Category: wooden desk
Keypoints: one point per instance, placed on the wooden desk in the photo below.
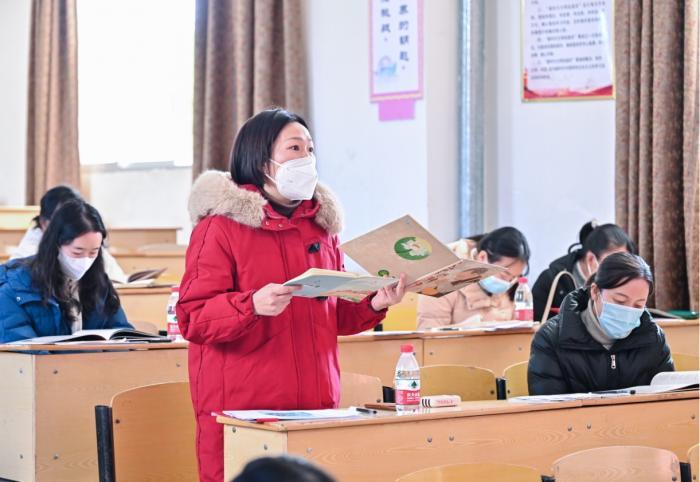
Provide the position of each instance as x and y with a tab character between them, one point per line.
17	216
376	355
47	406
493	350
124	238
145	304
173	262
386	446
136	237
682	336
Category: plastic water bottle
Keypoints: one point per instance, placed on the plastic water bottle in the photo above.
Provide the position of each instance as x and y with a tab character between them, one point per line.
523	301
173	329
407	381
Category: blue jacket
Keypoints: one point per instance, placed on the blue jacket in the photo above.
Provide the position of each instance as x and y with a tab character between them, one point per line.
24	315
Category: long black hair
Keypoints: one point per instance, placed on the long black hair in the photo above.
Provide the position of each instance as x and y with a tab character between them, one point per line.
73	219
506	242
598	239
51	200
620	268
253	146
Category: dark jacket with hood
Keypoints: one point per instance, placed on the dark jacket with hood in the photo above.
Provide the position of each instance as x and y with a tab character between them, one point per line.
564	358
540	290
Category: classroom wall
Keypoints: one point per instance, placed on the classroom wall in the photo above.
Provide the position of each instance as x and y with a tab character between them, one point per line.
383	170
14	52
535	153
549	166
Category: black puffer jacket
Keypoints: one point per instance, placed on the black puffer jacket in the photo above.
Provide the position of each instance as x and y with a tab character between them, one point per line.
540	290
564	358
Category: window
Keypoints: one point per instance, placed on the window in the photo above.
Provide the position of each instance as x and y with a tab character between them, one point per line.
135	81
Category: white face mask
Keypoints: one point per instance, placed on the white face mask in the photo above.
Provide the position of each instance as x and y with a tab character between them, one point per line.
296	179
75	268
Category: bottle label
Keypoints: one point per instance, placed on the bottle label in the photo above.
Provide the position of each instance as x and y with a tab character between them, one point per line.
407	392
524	315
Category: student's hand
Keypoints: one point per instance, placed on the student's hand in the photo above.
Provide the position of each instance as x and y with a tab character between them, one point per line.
389	295
272	299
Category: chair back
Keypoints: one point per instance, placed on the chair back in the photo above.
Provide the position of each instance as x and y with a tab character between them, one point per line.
516	380
473	473
618	463
154	433
470	383
357	389
685	363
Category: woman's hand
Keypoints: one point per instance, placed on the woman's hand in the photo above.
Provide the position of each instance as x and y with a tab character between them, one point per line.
272	299
389	295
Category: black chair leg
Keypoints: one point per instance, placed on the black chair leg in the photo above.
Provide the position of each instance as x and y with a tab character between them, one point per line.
105	443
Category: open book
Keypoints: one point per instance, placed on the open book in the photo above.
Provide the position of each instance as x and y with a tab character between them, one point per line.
139	279
117	335
404	246
317	283
663	382
668	382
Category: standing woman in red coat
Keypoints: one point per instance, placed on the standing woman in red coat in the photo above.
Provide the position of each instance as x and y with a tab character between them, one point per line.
252	345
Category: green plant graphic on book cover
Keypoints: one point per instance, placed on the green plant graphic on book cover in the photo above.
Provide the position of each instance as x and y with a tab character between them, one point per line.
413	248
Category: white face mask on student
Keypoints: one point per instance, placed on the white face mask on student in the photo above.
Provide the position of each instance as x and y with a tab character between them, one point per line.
296	179
75	268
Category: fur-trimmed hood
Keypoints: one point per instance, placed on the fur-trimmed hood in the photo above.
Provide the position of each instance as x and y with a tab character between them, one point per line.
215	193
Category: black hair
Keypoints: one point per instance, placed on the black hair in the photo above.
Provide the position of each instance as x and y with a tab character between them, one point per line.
73	219
506	242
51	200
598	239
253	146
619	269
285	468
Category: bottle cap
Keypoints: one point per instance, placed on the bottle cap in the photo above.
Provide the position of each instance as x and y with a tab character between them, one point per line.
407	348
522	280
175	289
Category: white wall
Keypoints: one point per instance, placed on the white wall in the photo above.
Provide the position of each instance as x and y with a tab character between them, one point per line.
142	197
549	166
14	54
383	170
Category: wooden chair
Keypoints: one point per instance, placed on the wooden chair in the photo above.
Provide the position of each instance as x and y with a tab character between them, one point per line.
473	473
516	380
403	315
357	389
685	363
148	433
618	463
694	461
470	383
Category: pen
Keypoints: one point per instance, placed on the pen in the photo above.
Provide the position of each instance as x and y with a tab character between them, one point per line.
368	411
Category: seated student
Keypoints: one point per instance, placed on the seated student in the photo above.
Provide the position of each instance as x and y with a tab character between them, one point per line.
492	297
64	288
603	338
284	468
50	202
572	270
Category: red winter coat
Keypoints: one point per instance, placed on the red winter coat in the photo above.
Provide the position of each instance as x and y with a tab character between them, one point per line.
237	359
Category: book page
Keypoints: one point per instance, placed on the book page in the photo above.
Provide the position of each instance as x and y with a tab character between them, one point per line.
676	378
453	277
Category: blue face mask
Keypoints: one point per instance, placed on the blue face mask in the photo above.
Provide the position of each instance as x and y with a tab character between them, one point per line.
495	285
618	321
